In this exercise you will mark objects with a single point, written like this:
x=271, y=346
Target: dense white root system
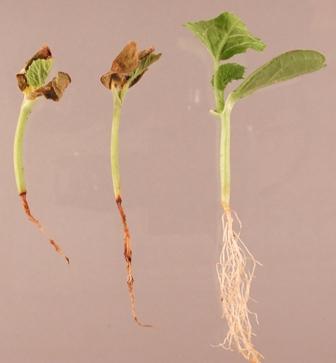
x=235, y=271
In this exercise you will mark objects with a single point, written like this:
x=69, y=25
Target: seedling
x=126, y=70
x=32, y=82
x=224, y=37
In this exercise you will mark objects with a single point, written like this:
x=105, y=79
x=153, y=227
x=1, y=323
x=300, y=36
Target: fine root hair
x=235, y=271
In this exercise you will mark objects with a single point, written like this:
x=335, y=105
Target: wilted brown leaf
x=55, y=88
x=124, y=65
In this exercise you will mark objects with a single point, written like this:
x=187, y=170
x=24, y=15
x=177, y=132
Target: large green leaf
x=286, y=66
x=225, y=36
x=38, y=72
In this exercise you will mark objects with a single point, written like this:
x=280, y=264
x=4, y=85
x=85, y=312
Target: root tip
x=142, y=325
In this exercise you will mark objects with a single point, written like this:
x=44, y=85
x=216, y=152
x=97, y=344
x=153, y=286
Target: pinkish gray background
x=283, y=171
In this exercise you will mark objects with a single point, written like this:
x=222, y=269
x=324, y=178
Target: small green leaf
x=225, y=36
x=147, y=61
x=144, y=64
x=227, y=73
x=38, y=72
x=286, y=66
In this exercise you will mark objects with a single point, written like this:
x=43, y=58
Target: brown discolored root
x=128, y=259
x=37, y=223
x=235, y=272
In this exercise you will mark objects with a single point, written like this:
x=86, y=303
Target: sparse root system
x=37, y=223
x=128, y=259
x=235, y=273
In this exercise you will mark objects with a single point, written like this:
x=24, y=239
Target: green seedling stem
x=225, y=36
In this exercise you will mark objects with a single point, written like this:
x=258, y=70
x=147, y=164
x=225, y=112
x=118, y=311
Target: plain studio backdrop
x=283, y=187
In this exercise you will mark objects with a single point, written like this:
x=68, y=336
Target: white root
x=235, y=271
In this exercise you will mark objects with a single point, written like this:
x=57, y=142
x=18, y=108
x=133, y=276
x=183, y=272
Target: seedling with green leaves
x=32, y=82
x=225, y=36
x=126, y=70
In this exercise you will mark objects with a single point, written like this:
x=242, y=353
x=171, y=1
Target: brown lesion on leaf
x=128, y=259
x=36, y=222
x=124, y=65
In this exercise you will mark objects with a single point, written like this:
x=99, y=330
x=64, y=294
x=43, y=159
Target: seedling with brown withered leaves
x=126, y=70
x=32, y=82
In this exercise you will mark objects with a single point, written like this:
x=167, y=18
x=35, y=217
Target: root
x=128, y=259
x=37, y=223
x=235, y=272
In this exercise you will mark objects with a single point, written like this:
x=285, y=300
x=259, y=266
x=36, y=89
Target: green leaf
x=38, y=72
x=227, y=73
x=286, y=66
x=143, y=66
x=147, y=61
x=225, y=36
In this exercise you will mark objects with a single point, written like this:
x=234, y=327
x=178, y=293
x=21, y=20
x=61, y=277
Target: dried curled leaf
x=55, y=88
x=22, y=81
x=43, y=53
x=129, y=66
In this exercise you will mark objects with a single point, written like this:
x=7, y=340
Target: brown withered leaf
x=55, y=88
x=43, y=53
x=144, y=53
x=124, y=65
x=22, y=81
x=127, y=60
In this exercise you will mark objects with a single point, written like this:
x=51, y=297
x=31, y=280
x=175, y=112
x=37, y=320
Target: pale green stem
x=115, y=168
x=223, y=110
x=25, y=111
x=224, y=162
x=219, y=94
